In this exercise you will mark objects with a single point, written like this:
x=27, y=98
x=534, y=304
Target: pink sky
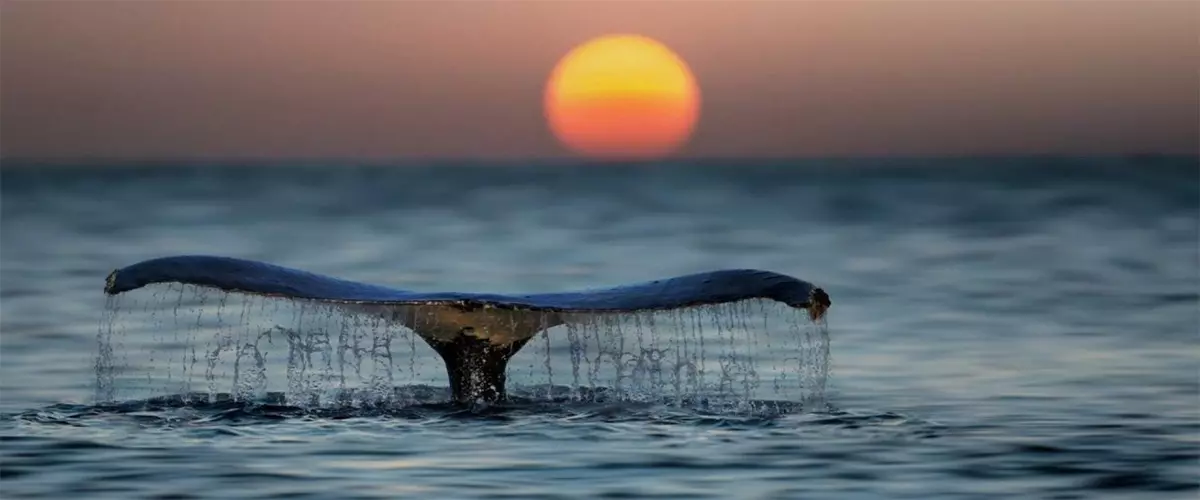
x=400, y=79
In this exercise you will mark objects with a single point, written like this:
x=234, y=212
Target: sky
x=465, y=79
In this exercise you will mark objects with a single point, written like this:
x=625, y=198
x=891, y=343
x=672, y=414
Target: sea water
x=1000, y=328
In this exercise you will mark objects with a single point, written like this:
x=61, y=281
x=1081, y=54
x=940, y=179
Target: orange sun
x=622, y=97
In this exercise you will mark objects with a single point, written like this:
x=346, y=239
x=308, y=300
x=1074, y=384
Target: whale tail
x=475, y=334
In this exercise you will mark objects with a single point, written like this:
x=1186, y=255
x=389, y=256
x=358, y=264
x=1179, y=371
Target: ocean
x=1000, y=328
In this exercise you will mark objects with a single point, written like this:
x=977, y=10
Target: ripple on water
x=1082, y=385
x=122, y=445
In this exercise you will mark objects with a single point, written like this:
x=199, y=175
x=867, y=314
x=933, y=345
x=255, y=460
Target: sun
x=622, y=97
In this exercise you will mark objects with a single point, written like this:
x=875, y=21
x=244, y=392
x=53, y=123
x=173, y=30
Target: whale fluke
x=474, y=333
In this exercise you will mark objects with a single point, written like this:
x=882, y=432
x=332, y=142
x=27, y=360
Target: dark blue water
x=1016, y=328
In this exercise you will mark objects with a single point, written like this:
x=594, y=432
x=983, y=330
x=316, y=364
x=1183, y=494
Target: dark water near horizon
x=1018, y=328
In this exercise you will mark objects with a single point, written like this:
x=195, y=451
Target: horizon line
x=410, y=161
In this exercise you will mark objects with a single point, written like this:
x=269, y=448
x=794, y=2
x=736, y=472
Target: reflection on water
x=1021, y=328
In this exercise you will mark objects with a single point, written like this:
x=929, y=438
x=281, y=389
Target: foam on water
x=208, y=344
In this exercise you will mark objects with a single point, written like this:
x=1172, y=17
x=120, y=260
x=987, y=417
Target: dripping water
x=727, y=357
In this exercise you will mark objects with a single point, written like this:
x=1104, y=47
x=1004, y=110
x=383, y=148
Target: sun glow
x=622, y=96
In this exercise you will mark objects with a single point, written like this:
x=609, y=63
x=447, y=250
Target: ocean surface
x=1000, y=328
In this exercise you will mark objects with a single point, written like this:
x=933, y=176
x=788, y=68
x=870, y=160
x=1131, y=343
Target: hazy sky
x=395, y=79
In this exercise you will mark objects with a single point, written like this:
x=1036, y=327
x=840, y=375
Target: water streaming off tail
x=167, y=340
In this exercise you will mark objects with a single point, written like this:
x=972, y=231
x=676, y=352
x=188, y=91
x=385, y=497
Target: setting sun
x=622, y=96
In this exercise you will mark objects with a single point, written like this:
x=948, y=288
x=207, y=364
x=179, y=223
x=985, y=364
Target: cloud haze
x=372, y=80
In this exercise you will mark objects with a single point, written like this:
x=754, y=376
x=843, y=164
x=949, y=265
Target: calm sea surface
x=1017, y=328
